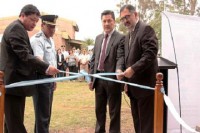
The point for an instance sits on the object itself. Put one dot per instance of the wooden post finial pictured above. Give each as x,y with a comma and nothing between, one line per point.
159,76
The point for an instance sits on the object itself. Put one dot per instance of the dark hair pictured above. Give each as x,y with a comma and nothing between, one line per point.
29,10
108,12
129,7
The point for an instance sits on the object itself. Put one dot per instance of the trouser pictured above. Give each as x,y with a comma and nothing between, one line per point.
143,114
14,114
60,74
107,94
73,69
43,104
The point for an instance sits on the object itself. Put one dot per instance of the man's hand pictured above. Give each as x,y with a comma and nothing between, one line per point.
129,72
90,84
126,89
120,74
52,70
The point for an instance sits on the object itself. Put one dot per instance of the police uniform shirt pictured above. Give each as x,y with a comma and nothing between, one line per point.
44,48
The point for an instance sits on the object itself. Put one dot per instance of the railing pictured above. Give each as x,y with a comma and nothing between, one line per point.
158,100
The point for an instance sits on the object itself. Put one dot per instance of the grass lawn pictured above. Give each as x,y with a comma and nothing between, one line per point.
73,110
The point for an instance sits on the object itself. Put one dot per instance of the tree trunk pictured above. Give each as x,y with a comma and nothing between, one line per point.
193,6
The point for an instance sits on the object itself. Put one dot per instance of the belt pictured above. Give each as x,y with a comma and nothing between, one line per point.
44,76
100,71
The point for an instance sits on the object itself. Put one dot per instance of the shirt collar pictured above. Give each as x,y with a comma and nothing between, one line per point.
109,34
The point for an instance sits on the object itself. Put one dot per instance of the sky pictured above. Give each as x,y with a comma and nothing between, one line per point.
86,13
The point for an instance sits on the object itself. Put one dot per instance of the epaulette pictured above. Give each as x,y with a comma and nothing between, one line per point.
38,35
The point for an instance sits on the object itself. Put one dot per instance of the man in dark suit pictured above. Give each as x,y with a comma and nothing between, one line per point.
141,49
108,56
19,64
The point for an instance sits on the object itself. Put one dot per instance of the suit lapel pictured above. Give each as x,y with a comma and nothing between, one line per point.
133,35
110,43
99,45
127,45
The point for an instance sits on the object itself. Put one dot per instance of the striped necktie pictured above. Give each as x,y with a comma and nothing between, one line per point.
103,53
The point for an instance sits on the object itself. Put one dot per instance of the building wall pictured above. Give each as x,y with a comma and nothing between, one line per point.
64,26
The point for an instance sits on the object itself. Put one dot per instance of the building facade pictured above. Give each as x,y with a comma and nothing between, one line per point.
64,35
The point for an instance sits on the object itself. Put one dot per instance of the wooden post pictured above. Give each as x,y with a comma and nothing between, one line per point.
2,96
158,105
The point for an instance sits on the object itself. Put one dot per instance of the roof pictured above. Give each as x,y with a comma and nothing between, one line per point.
65,35
76,41
166,64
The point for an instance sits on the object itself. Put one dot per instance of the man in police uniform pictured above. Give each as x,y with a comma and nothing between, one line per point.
44,48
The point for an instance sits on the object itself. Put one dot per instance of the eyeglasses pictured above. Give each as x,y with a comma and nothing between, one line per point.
125,18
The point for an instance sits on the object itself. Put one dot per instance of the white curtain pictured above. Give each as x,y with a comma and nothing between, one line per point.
186,35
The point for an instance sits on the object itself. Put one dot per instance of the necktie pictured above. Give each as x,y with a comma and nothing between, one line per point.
103,53
130,38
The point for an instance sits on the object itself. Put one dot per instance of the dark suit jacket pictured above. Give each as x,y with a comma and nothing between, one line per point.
114,55
63,66
17,60
62,58
142,57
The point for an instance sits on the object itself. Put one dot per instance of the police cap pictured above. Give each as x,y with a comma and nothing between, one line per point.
49,19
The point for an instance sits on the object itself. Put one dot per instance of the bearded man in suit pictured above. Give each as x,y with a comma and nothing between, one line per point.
141,47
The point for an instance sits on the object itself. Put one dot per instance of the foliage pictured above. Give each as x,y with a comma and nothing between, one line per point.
88,42
150,11
146,9
198,11
156,24
120,27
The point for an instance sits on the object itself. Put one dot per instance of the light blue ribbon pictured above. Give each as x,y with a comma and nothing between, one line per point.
123,82
100,76
75,75
40,81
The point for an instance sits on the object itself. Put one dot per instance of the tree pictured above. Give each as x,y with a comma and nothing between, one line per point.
193,4
150,11
120,27
88,42
145,8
